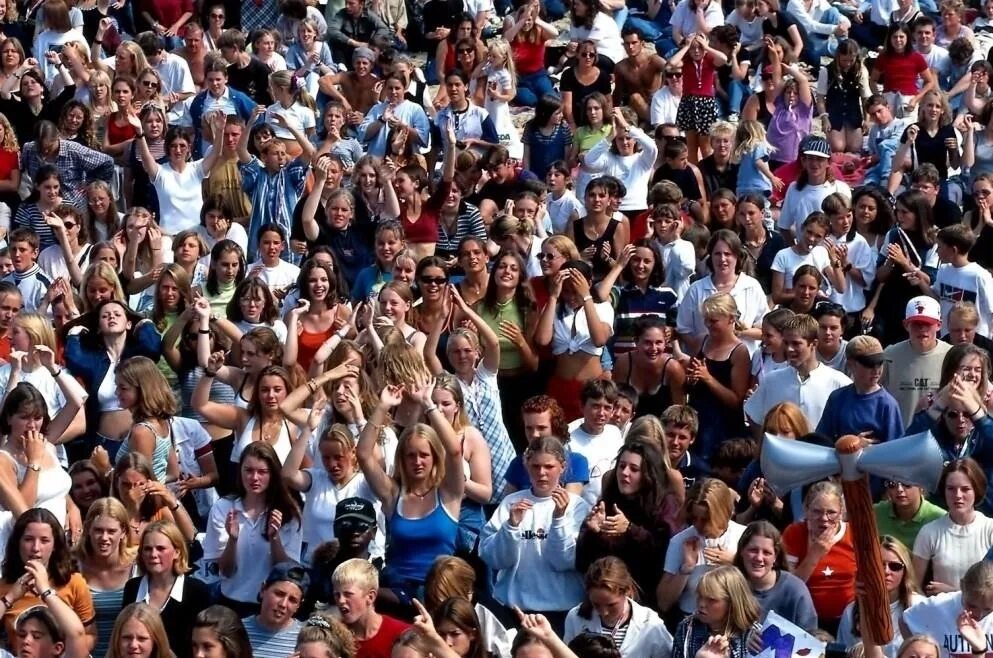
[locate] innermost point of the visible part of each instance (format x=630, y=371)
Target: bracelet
x=6, y=602
x=587, y=298
x=981, y=653
x=139, y=136
x=44, y=595
x=312, y=386
x=209, y=374
x=58, y=374
x=428, y=410
x=176, y=506
x=976, y=415
x=341, y=333
x=205, y=332
x=98, y=42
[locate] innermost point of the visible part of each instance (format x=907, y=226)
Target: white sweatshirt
x=536, y=561
x=647, y=636
x=635, y=170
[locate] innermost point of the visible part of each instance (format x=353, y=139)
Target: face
x=829, y=330
x=74, y=120
x=881, y=114
x=824, y=513
x=545, y=471
x=454, y=84
x=723, y=260
x=31, y=88
x=10, y=56
x=961, y=330
x=629, y=473
x=865, y=377
x=126, y=393
x=594, y=112
x=206, y=644
x=932, y=109
x=677, y=441
x=50, y=191
x=216, y=82
x=418, y=460
x=274, y=156
x=157, y=553
x=255, y=475
x=893, y=568
x=99, y=290
x=959, y=493
x=812, y=235
x=623, y=412
x=10, y=305
x=227, y=266
x=772, y=339
x=122, y=94
x=272, y=391
x=899, y=41
x=459, y=640
x=179, y=150
x=759, y=557
x=718, y=323
x=596, y=414
x=353, y=602
x=462, y=354
x=393, y=305
x=550, y=260
x=252, y=305
x=394, y=91
x=432, y=283
x=135, y=640
x=816, y=168
x=404, y=270
x=149, y=86
x=85, y=489
x=799, y=351
x=610, y=606
x=923, y=334
x=37, y=543
x=537, y=425
x=971, y=370
x=597, y=200
x=903, y=496
x=507, y=272
x=280, y=601
x=339, y=213
x=711, y=611
x=722, y=210
x=34, y=641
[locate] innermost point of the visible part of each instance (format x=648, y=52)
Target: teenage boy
x=543, y=417
x=356, y=585
x=936, y=56
x=963, y=321
x=273, y=632
x=913, y=366
x=958, y=279
x=830, y=328
x=11, y=303
x=217, y=95
x=680, y=424
x=863, y=407
x=245, y=73
x=593, y=436
x=884, y=138
x=903, y=511
x=27, y=275
x=807, y=383
x=927, y=180
x=807, y=250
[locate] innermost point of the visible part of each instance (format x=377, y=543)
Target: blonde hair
x=728, y=584
x=722, y=129
x=505, y=226
x=946, y=109
x=104, y=272
x=137, y=54
x=285, y=80
x=38, y=328
x=821, y=489
x=9, y=138
x=908, y=580
x=150, y=619
x=334, y=635
x=113, y=509
x=716, y=498
x=356, y=571
x=914, y=639
x=562, y=244
x=170, y=531
x=649, y=429
x=448, y=576
x=426, y=432
x=749, y=136
x=401, y=364
x=502, y=48
x=155, y=398
x=721, y=303
x=448, y=383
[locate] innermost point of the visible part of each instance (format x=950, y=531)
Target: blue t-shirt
x=848, y=412
x=577, y=471
x=546, y=149
x=750, y=179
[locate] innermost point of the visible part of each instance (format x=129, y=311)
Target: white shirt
x=937, y=617
x=969, y=283
x=571, y=331
x=280, y=277
x=600, y=451
x=747, y=294
x=785, y=385
x=862, y=258
x=665, y=104
x=321, y=503
x=296, y=115
x=679, y=263
x=605, y=34
x=674, y=558
x=646, y=636
x=798, y=204
x=176, y=76
x=787, y=261
x=684, y=17
x=52, y=261
x=953, y=548
x=180, y=196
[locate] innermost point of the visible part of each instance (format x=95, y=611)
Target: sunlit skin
x=85, y=489
x=338, y=461
x=712, y=611
x=34, y=641
x=157, y=554
x=252, y=305
x=113, y=320
x=253, y=360
x=629, y=473
x=545, y=471
x=339, y=213
x=206, y=644
x=22, y=255
x=98, y=290
x=805, y=292
x=226, y=267
x=393, y=306
x=961, y=330
x=255, y=475
x=537, y=425
x=677, y=442
x=272, y=391
x=37, y=543
x=417, y=459
x=759, y=560
x=611, y=607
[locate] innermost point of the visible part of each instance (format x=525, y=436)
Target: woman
x=30, y=85
x=725, y=615
x=319, y=313
x=459, y=626
x=932, y=138
x=760, y=243
x=435, y=309
x=545, y=507
x=255, y=529
x=629, y=155
x=146, y=499
x=164, y=585
x=794, y=111
x=710, y=541
x=424, y=497
x=581, y=80
x=56, y=30
x=331, y=221
x=139, y=633
x=219, y=628
x=821, y=551
x=118, y=131
x=761, y=558
x=726, y=257
x=576, y=329
x=88, y=485
x=105, y=560
x=657, y=377
x=102, y=219
x=97, y=342
x=611, y=604
x=962, y=615
x=177, y=182
x=37, y=545
x=394, y=112
x=139, y=188
x=528, y=34
x=45, y=199
x=217, y=223
x=873, y=216
x=10, y=157
x=636, y=514
x=946, y=547
x=590, y=22
x=451, y=53
x=901, y=585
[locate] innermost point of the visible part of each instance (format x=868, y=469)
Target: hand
x=588, y=254
x=627, y=253
x=555, y=284
x=20, y=587
x=605, y=251
x=717, y=556
x=912, y=131
x=969, y=629
x=301, y=308
x=823, y=541
x=596, y=517
x=895, y=253
x=777, y=183
x=561, y=499
x=216, y=361
x=756, y=493
x=579, y=282
x=457, y=299
x=517, y=512
x=422, y=621
x=691, y=554
x=33, y=444
x=421, y=393
x=156, y=488
x=185, y=485
x=617, y=524
x=39, y=575
x=278, y=119
x=938, y=587
x=100, y=459
x=52, y=57
x=104, y=25
x=46, y=357
x=716, y=647
x=133, y=120
x=536, y=625
x=233, y=524
x=868, y=315
x=202, y=308
x=391, y=396
x=298, y=247
x=512, y=333
x=275, y=523
x=952, y=144
x=17, y=360
x=29, y=63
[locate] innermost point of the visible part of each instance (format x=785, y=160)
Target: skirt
x=697, y=113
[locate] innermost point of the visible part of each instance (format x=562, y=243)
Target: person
x=807, y=193
x=963, y=617
x=77, y=165
x=822, y=552
x=355, y=26
x=507, y=544
x=761, y=558
x=164, y=585
x=680, y=424
x=724, y=615
x=323, y=634
x=272, y=633
x=901, y=585
x=52, y=630
x=959, y=278
x=628, y=154
x=591, y=23
x=218, y=627
x=356, y=584
x=919, y=357
x=947, y=546
x=139, y=620
x=394, y=113
x=649, y=363
x=609, y=605
x=595, y=437
x=710, y=541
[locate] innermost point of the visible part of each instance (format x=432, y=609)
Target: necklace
x=420, y=496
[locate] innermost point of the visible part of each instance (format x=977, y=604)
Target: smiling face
x=85, y=489
x=759, y=557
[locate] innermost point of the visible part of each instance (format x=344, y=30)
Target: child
x=593, y=125
x=6, y=264
x=698, y=107
x=751, y=152
x=594, y=437
x=679, y=427
x=807, y=282
x=501, y=87
x=731, y=459
x=844, y=84
x=807, y=250
x=295, y=106
x=772, y=356
x=227, y=269
x=902, y=70
x=26, y=274
x=678, y=255
x=547, y=137
x=404, y=267
x=959, y=279
x=850, y=251
x=189, y=251
x=356, y=582
x=389, y=243
x=274, y=271
x=884, y=138
x=724, y=624
x=563, y=208
x=627, y=400
x=831, y=345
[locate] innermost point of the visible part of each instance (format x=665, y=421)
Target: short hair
x=958, y=236
x=722, y=129
x=786, y=416
x=968, y=467
x=836, y=204
x=24, y=235
x=978, y=579
x=966, y=311
x=734, y=453
x=540, y=404
x=926, y=173
x=804, y=325
x=150, y=43
x=876, y=99
x=627, y=392
x=356, y=571
x=819, y=218
x=683, y=416
x=599, y=389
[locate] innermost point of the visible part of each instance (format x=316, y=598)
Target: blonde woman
x=139, y=620
x=10, y=171
x=106, y=561
x=727, y=611
x=99, y=283
x=149, y=88
x=144, y=391
x=129, y=59
x=934, y=119
x=100, y=102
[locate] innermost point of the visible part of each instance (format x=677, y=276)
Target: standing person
x=638, y=75
x=726, y=614
x=698, y=108
x=913, y=366
x=356, y=586
x=629, y=154
x=807, y=193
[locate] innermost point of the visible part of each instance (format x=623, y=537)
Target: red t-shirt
x=381, y=644
x=8, y=163
x=901, y=72
x=832, y=583
x=529, y=57
x=698, y=77
x=425, y=229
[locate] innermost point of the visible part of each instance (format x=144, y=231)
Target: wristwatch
x=35, y=468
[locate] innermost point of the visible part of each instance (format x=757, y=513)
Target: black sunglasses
x=436, y=280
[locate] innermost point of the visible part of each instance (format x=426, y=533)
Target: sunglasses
x=69, y=225
x=220, y=16
x=546, y=256
x=588, y=55
x=464, y=51
x=895, y=567
x=955, y=415
x=674, y=74
x=151, y=84
x=433, y=280
x=893, y=484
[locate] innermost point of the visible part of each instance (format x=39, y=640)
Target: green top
x=219, y=302
x=510, y=354
x=586, y=137
x=905, y=531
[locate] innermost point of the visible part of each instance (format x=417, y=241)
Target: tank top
x=281, y=445
x=107, y=391
x=160, y=453
x=655, y=402
x=240, y=400
x=54, y=484
x=308, y=343
x=764, y=116
x=600, y=266
x=107, y=605
x=718, y=422
x=415, y=543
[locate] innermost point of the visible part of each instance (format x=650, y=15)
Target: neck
x=765, y=582
x=505, y=294
x=755, y=233
x=905, y=513
x=866, y=390
x=253, y=501
x=272, y=626
x=964, y=517
x=722, y=279
x=828, y=351
x=366, y=627
x=115, y=344
x=161, y=580
x=807, y=366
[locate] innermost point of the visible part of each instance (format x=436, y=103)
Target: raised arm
x=385, y=488
x=148, y=162
x=453, y=486
x=73, y=391
x=309, y=211
x=225, y=415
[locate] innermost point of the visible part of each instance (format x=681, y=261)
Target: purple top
x=787, y=127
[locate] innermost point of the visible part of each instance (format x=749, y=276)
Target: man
x=830, y=329
x=177, y=81
x=903, y=511
x=217, y=95
x=637, y=76
x=355, y=27
x=926, y=180
x=356, y=586
x=473, y=126
x=913, y=366
x=937, y=57
x=194, y=51
x=245, y=73
x=225, y=178
x=884, y=138
x=717, y=169
x=273, y=632
x=78, y=166
x=806, y=383
x=10, y=305
x=354, y=89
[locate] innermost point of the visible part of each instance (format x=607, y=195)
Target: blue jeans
x=656, y=30
x=531, y=87
x=737, y=94
x=821, y=43
x=620, y=16
x=879, y=173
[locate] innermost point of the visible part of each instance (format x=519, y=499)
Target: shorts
x=697, y=113
x=844, y=118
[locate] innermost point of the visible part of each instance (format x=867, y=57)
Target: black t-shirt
x=581, y=91
x=714, y=179
x=252, y=80
x=946, y=213
x=932, y=148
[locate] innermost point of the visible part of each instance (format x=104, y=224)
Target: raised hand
x=517, y=512
x=46, y=357
x=232, y=524
x=391, y=396
x=536, y=625
x=275, y=523
x=561, y=499
x=33, y=444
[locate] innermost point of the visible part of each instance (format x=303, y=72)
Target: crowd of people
x=311, y=350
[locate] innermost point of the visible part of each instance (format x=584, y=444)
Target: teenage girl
x=319, y=313
x=395, y=302
x=772, y=355
x=902, y=71
x=295, y=105
x=389, y=242
x=227, y=270
x=698, y=106
x=844, y=85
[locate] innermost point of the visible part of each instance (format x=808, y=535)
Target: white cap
x=923, y=308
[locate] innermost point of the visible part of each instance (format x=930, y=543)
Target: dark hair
x=523, y=299
x=598, y=389
x=731, y=239
x=589, y=645
x=545, y=109
x=222, y=247
x=24, y=398
x=277, y=494
x=251, y=286
x=762, y=529
x=893, y=29
x=884, y=209
x=967, y=467
x=460, y=612
x=654, y=478
x=228, y=628
x=216, y=203
x=656, y=278
x=59, y=565
x=917, y=204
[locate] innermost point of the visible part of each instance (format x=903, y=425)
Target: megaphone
x=788, y=464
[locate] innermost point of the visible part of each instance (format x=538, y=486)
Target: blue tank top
x=415, y=543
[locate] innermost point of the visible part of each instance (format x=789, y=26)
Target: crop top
x=571, y=332
x=107, y=392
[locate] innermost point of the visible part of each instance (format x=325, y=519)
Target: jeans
x=430, y=74
x=879, y=173
x=737, y=94
x=532, y=86
x=823, y=45
x=620, y=16
x=555, y=9
x=656, y=30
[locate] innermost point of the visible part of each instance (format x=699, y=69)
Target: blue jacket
x=978, y=445
x=243, y=104
x=90, y=365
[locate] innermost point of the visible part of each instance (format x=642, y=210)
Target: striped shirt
x=107, y=604
x=268, y=644
x=468, y=223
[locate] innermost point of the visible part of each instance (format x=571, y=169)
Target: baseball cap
x=290, y=572
x=924, y=309
x=358, y=509
x=816, y=146
x=866, y=350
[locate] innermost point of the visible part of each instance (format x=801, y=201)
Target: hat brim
x=355, y=516
x=870, y=360
x=817, y=154
x=923, y=318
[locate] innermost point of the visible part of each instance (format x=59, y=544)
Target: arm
x=171, y=338
x=929, y=83
x=380, y=482
x=225, y=415
x=73, y=391
x=148, y=162
x=297, y=478
x=487, y=337
x=546, y=323
x=453, y=486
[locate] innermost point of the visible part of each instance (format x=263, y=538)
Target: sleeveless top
x=764, y=116
x=107, y=605
x=282, y=444
x=54, y=484
x=219, y=392
x=415, y=543
x=718, y=422
x=651, y=403
x=308, y=343
x=600, y=266
x=160, y=453
x=240, y=400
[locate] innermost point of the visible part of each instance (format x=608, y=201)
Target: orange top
x=832, y=583
x=75, y=593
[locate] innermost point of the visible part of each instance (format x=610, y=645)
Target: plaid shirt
x=258, y=14
x=273, y=198
x=482, y=406
x=77, y=165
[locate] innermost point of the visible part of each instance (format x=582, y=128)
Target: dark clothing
x=24, y=121
x=947, y=213
x=714, y=179
x=684, y=178
x=718, y=422
x=177, y=616
x=350, y=246
x=581, y=91
x=252, y=80
x=978, y=340
x=978, y=445
x=932, y=149
x=344, y=27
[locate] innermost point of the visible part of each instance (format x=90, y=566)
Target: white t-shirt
x=665, y=104
x=278, y=327
x=798, y=204
x=937, y=616
x=600, y=451
x=52, y=261
x=176, y=76
x=605, y=33
x=862, y=258
x=679, y=263
x=674, y=558
x=560, y=210
x=787, y=261
x=785, y=385
x=180, y=196
x=748, y=295
x=684, y=17
x=969, y=283
x=281, y=277
x=953, y=548
x=321, y=504
x=296, y=115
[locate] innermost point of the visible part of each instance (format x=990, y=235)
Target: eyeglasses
x=546, y=256
x=69, y=225
x=151, y=84
x=674, y=74
x=433, y=280
x=955, y=415
x=829, y=514
x=588, y=55
x=895, y=567
x=220, y=16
